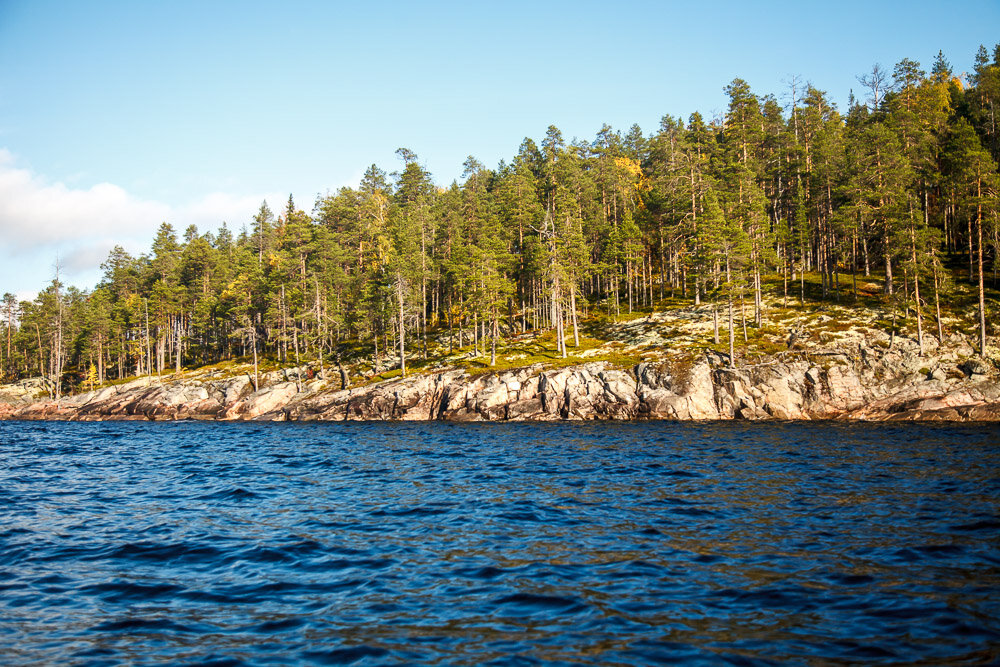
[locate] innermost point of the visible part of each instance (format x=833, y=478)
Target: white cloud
x=36, y=213
x=41, y=221
x=85, y=257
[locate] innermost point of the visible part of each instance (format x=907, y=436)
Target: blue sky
x=116, y=116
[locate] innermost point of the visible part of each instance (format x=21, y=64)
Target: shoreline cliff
x=855, y=381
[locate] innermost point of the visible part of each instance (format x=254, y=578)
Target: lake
x=436, y=543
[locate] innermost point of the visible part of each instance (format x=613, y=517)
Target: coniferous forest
x=768, y=202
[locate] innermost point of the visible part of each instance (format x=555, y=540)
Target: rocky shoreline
x=858, y=382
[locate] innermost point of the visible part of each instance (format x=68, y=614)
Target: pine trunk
x=402, y=332
x=979, y=261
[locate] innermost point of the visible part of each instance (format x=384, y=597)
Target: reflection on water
x=462, y=544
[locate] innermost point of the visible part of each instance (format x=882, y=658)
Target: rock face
x=865, y=383
x=260, y=402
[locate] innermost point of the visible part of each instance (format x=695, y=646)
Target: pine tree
x=975, y=173
x=9, y=313
x=941, y=70
x=879, y=174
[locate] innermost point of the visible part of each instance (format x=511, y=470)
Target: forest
x=900, y=190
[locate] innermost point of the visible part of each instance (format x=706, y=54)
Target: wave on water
x=499, y=543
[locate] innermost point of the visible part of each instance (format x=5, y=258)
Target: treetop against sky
x=117, y=116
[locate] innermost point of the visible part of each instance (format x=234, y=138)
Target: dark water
x=125, y=543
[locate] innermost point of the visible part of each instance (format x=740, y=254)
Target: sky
x=118, y=116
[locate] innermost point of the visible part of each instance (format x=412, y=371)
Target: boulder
x=974, y=366
x=262, y=401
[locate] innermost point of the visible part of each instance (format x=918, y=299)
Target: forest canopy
x=901, y=187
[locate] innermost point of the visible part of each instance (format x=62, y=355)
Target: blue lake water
x=188, y=543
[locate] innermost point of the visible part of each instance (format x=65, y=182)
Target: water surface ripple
x=227, y=544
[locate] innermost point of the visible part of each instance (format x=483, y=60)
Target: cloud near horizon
x=43, y=220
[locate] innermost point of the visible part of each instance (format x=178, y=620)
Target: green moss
x=767, y=347
x=619, y=360
x=839, y=325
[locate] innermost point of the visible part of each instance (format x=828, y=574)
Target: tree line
x=702, y=209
